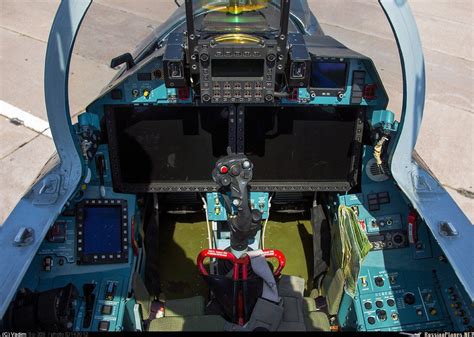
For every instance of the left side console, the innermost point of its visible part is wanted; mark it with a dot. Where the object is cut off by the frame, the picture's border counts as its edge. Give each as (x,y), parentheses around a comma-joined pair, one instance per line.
(80,278)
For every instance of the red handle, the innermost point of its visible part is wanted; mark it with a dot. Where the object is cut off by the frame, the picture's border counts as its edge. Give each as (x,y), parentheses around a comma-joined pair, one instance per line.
(213,253)
(274,253)
(223,255)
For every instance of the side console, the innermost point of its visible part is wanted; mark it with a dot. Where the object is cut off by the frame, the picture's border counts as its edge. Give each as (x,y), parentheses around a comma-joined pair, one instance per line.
(405,282)
(80,279)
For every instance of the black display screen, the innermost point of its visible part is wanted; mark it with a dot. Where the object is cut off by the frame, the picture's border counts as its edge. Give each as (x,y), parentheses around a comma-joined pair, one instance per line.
(165,145)
(237,68)
(328,75)
(102,230)
(301,145)
(157,148)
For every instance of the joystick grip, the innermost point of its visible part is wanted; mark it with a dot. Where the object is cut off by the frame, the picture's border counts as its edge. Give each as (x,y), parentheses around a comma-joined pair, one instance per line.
(233,173)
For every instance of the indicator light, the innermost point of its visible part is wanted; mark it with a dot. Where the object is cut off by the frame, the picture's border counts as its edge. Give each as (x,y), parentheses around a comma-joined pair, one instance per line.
(370,91)
(224,169)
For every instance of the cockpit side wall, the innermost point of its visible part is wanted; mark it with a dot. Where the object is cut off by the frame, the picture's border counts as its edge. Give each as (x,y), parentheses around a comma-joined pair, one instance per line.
(42,204)
(424,191)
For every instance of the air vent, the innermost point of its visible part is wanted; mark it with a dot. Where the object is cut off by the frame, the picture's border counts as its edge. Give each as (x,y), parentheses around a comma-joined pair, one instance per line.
(374,172)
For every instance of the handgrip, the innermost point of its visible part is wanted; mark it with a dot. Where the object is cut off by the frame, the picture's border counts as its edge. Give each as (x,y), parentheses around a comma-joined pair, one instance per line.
(244,260)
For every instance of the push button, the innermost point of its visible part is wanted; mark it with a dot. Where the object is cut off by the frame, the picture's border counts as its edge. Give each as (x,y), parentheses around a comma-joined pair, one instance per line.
(104,326)
(106,309)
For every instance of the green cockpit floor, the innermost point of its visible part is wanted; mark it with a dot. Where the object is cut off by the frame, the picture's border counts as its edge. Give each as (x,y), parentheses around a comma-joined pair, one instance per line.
(182,237)
(292,235)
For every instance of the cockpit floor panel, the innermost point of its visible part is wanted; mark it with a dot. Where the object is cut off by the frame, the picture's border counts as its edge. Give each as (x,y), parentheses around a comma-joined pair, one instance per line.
(295,239)
(182,237)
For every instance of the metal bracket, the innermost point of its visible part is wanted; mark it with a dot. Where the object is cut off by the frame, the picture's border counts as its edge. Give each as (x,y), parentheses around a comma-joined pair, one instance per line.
(47,191)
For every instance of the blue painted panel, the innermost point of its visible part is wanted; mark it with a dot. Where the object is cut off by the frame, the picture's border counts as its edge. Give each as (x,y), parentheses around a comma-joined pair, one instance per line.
(102,150)
(418,269)
(216,207)
(385,119)
(354,65)
(89,119)
(65,270)
(145,92)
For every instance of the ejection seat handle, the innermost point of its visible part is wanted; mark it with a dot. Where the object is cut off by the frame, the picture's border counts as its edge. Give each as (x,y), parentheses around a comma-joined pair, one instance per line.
(224,255)
(213,253)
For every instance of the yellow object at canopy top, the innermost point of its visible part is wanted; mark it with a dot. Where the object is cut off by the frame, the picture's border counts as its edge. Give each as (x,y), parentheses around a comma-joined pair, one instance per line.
(236,7)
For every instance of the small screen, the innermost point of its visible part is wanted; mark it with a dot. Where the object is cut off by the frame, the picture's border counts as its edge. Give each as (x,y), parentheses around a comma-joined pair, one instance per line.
(328,75)
(101,228)
(237,68)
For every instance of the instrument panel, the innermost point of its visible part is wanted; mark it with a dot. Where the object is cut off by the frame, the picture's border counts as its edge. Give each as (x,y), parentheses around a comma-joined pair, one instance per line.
(237,73)
(95,262)
(253,74)
(405,282)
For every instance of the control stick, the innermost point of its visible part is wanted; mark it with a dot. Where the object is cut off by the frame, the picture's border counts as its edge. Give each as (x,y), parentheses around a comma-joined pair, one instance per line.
(234,172)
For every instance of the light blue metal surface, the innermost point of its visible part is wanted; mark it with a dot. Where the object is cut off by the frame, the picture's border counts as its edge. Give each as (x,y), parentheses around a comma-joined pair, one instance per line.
(41,205)
(384,119)
(68,271)
(133,90)
(426,194)
(88,119)
(216,207)
(410,268)
(371,77)
(404,272)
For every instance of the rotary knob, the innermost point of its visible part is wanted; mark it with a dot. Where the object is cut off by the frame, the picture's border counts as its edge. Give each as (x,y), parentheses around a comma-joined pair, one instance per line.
(379,282)
(409,298)
(382,315)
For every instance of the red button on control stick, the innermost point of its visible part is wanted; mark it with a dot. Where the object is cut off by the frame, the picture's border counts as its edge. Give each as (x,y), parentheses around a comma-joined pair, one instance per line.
(224,169)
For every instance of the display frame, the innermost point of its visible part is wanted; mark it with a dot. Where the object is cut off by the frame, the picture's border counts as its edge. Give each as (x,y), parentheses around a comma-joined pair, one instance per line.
(102,258)
(229,76)
(330,92)
(120,186)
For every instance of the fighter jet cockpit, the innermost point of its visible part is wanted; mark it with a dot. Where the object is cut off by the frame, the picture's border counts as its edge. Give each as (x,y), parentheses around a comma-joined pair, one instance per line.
(238,174)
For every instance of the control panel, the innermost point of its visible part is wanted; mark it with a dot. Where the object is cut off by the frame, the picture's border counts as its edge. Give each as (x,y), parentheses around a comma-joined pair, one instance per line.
(389,300)
(384,230)
(103,313)
(216,208)
(389,240)
(403,284)
(86,254)
(233,73)
(459,308)
(402,294)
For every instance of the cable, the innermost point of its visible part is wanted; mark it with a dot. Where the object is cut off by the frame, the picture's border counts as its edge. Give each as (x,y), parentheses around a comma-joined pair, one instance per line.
(266,221)
(378,150)
(281,94)
(209,233)
(207,223)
